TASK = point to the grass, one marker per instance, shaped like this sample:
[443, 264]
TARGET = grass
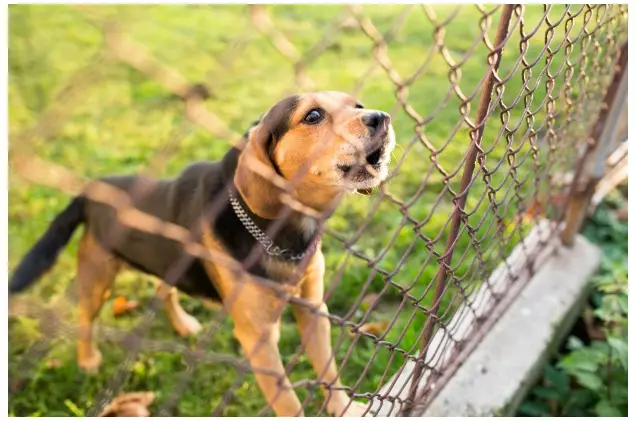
[121, 121]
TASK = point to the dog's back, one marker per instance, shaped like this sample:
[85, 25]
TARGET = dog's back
[179, 201]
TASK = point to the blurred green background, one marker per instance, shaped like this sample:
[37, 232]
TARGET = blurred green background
[123, 118]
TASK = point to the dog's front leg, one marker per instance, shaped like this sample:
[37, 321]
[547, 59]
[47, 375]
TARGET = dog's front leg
[261, 349]
[256, 313]
[315, 337]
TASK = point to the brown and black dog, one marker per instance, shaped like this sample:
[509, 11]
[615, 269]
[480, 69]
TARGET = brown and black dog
[324, 144]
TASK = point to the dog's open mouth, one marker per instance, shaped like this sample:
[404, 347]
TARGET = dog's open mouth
[374, 157]
[360, 172]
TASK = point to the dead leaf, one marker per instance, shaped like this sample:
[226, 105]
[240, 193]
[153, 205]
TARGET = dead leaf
[558, 200]
[15, 385]
[121, 305]
[134, 404]
[622, 213]
[53, 363]
[593, 328]
[535, 209]
[373, 328]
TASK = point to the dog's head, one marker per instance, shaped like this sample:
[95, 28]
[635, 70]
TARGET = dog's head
[325, 143]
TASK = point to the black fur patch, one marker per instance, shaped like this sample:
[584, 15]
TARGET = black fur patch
[277, 123]
[277, 120]
[234, 235]
[180, 201]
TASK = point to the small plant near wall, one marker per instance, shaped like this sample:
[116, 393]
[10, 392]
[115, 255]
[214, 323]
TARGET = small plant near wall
[590, 376]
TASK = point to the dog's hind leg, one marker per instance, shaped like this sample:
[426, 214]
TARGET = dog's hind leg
[96, 273]
[182, 322]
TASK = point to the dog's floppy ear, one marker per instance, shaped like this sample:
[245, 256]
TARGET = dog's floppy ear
[260, 194]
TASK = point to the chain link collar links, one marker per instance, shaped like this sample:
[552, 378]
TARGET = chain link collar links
[262, 238]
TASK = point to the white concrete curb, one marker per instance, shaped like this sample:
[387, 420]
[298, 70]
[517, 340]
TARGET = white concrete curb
[501, 369]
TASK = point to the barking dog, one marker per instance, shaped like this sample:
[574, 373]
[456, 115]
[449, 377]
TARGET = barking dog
[324, 144]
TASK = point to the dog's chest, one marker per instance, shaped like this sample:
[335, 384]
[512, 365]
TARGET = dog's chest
[281, 271]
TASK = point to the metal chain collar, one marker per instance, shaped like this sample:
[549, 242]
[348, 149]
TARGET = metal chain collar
[267, 243]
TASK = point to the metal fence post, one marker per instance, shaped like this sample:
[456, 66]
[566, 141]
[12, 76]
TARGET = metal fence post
[604, 134]
[460, 200]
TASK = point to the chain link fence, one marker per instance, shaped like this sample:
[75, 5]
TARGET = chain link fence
[497, 110]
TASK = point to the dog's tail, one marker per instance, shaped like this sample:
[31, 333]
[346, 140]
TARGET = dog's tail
[45, 252]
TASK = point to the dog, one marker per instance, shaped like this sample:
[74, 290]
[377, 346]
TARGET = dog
[322, 145]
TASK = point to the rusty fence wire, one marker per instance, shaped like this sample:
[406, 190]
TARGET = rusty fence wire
[497, 112]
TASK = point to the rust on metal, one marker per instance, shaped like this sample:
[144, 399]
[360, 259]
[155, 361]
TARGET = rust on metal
[586, 179]
[460, 200]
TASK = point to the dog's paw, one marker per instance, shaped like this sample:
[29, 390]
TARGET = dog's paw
[91, 363]
[188, 326]
[355, 409]
[336, 408]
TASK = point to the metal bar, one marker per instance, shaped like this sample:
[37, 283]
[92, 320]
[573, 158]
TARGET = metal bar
[591, 167]
[474, 147]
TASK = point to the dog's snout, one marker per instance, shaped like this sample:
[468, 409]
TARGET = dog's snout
[374, 120]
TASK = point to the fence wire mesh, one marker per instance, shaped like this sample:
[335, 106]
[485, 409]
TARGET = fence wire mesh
[493, 109]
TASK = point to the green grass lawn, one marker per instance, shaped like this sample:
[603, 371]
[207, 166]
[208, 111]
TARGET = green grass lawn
[122, 120]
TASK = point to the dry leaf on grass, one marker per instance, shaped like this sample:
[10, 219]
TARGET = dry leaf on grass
[373, 328]
[53, 363]
[121, 305]
[537, 207]
[593, 328]
[134, 404]
[622, 213]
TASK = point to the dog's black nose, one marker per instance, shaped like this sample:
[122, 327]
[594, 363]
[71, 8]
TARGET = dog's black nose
[375, 120]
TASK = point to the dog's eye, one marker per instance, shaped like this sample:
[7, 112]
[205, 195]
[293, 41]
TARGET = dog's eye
[313, 117]
[359, 105]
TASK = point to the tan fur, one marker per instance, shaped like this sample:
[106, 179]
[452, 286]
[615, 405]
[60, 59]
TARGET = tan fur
[315, 147]
[256, 311]
[314, 329]
[96, 273]
[309, 156]
[260, 194]
[307, 152]
[97, 270]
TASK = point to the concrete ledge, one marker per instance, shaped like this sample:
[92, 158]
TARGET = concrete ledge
[540, 243]
[497, 374]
